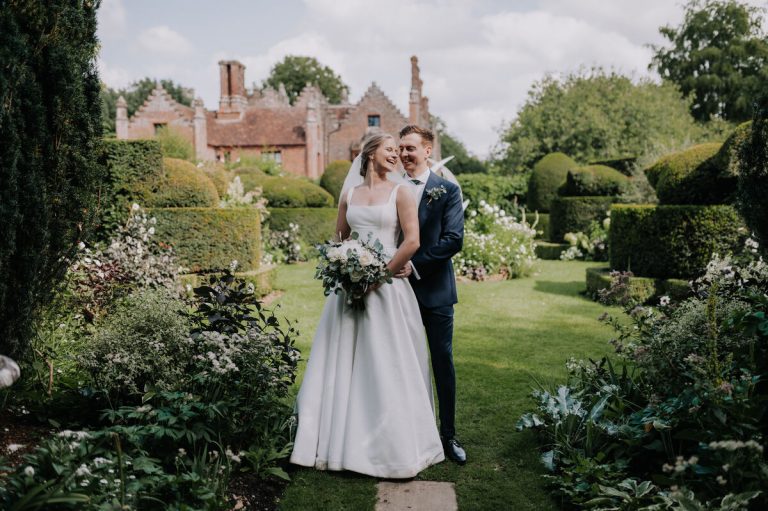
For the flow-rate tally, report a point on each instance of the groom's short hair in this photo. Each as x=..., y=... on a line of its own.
x=426, y=134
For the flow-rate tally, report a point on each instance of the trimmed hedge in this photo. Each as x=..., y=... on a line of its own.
x=671, y=241
x=550, y=251
x=206, y=239
x=286, y=191
x=623, y=165
x=727, y=159
x=573, y=214
x=594, y=180
x=753, y=175
x=134, y=169
x=695, y=176
x=548, y=175
x=542, y=226
x=333, y=177
x=316, y=225
x=219, y=175
x=184, y=186
x=263, y=279
x=251, y=177
x=643, y=289
x=503, y=191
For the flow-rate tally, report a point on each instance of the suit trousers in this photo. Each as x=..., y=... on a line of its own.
x=438, y=323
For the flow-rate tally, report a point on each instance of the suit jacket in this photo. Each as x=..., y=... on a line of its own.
x=441, y=233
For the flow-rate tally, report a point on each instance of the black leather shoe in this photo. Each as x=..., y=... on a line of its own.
x=454, y=451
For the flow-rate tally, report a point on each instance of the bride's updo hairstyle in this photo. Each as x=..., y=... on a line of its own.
x=370, y=144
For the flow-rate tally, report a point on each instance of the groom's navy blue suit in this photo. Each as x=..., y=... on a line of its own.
x=441, y=226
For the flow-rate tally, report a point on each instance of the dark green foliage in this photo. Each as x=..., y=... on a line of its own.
x=718, y=56
x=671, y=241
x=594, y=180
x=316, y=225
x=550, y=251
x=502, y=191
x=49, y=133
x=206, y=239
x=134, y=169
x=290, y=192
x=333, y=177
x=548, y=175
x=542, y=226
x=295, y=72
x=575, y=214
x=135, y=95
x=623, y=165
x=183, y=185
x=463, y=162
x=727, y=160
x=693, y=176
x=753, y=175
x=640, y=289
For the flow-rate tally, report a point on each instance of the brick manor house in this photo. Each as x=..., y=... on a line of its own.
x=303, y=137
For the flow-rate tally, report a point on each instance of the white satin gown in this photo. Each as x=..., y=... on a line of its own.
x=365, y=403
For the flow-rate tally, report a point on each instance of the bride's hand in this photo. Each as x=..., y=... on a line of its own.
x=373, y=288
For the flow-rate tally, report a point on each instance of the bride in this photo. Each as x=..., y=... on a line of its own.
x=365, y=403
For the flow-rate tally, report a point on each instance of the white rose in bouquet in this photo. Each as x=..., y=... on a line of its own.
x=335, y=254
x=366, y=259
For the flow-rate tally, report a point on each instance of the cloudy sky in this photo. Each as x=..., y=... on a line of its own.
x=478, y=57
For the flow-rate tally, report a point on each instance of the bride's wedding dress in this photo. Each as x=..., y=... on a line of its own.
x=365, y=403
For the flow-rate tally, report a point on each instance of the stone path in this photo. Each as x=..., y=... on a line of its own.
x=416, y=496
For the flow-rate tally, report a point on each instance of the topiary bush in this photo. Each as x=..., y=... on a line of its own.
x=251, y=177
x=693, y=176
x=672, y=241
x=574, y=214
x=548, y=175
x=205, y=239
x=333, y=177
x=753, y=175
x=289, y=192
x=502, y=191
x=624, y=165
x=727, y=159
x=220, y=176
x=183, y=185
x=134, y=168
x=639, y=289
x=594, y=180
x=316, y=225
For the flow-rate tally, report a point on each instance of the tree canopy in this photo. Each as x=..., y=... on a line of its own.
x=463, y=162
x=296, y=71
x=594, y=115
x=718, y=56
x=135, y=94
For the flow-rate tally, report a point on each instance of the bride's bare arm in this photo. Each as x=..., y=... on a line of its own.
x=409, y=223
x=342, y=226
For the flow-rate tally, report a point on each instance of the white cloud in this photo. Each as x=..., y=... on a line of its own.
x=163, y=40
x=112, y=19
x=115, y=77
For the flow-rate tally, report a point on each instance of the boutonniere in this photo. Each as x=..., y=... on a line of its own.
x=435, y=193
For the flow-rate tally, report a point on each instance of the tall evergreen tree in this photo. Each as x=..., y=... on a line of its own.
x=50, y=129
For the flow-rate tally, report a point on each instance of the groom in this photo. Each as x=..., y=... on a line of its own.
x=441, y=225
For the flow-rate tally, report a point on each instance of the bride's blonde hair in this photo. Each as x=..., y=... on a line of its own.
x=370, y=144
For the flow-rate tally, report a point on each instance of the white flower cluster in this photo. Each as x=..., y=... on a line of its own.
x=733, y=445
x=353, y=248
x=9, y=371
x=219, y=351
x=681, y=464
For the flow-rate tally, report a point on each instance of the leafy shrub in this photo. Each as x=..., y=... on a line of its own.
x=693, y=176
x=134, y=169
x=727, y=159
x=286, y=246
x=548, y=175
x=183, y=185
x=590, y=245
x=333, y=177
x=174, y=144
x=542, y=226
x=142, y=345
x=753, y=175
x=642, y=290
x=252, y=177
x=574, y=214
x=594, y=180
x=210, y=238
x=503, y=191
x=289, y=192
x=316, y=225
x=671, y=241
x=218, y=174
x=496, y=243
x=623, y=165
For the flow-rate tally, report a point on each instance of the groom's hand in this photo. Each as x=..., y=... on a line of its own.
x=405, y=271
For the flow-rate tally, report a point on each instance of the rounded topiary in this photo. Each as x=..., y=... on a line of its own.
x=220, y=176
x=594, y=180
x=184, y=185
x=753, y=175
x=333, y=177
x=289, y=192
x=548, y=175
x=671, y=241
x=251, y=177
x=574, y=214
x=694, y=176
x=727, y=158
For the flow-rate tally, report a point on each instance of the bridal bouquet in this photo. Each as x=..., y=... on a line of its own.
x=352, y=266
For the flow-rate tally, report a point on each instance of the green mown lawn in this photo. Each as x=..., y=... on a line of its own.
x=507, y=334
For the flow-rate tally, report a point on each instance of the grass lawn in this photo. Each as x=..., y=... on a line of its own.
x=507, y=333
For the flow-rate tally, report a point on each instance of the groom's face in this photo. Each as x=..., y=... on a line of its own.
x=413, y=152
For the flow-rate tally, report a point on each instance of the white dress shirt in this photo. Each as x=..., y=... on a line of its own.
x=418, y=192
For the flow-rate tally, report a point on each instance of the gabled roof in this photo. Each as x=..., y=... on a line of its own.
x=258, y=127
x=160, y=97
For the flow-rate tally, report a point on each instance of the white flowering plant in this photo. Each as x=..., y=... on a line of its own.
x=352, y=267
x=285, y=246
x=496, y=242
x=590, y=245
